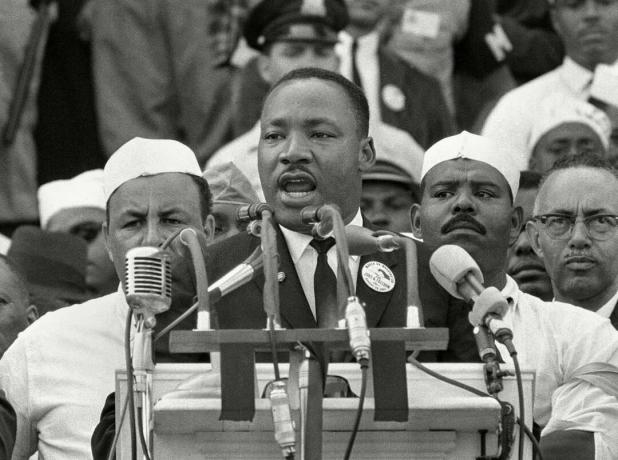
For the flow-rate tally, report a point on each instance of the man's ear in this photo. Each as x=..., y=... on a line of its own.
x=209, y=228
x=534, y=237
x=106, y=235
x=32, y=314
x=367, y=154
x=263, y=66
x=415, y=221
x=517, y=220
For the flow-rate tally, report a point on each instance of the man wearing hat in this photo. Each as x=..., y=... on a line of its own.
x=582, y=260
x=58, y=373
x=467, y=200
x=53, y=265
x=230, y=189
x=289, y=34
x=589, y=32
x=77, y=206
x=391, y=186
x=566, y=127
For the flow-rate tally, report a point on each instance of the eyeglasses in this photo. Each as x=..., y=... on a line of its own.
x=599, y=227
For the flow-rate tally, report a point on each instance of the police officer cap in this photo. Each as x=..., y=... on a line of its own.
x=295, y=20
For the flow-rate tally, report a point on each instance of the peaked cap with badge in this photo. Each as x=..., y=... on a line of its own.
x=295, y=21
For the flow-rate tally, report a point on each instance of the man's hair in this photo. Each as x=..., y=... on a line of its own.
x=355, y=95
x=18, y=277
x=580, y=160
x=529, y=180
x=583, y=159
x=203, y=190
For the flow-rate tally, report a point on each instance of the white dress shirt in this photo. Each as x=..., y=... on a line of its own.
x=512, y=118
x=368, y=67
x=58, y=373
x=606, y=310
x=556, y=339
x=305, y=259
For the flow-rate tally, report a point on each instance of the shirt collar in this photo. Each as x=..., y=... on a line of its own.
x=575, y=76
x=298, y=242
x=606, y=310
x=511, y=291
x=366, y=43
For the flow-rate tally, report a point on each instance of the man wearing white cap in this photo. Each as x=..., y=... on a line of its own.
x=57, y=374
x=77, y=206
x=589, y=32
x=566, y=127
x=467, y=200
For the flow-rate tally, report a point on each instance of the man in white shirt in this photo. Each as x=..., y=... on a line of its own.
x=59, y=371
x=467, y=200
x=589, y=30
x=574, y=231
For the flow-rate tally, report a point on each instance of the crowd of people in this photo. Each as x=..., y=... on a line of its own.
x=488, y=124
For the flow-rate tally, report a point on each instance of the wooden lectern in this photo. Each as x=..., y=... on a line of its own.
x=445, y=422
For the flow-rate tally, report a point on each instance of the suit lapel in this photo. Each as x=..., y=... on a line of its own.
x=375, y=301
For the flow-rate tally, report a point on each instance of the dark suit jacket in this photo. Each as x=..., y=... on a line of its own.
x=242, y=309
x=424, y=114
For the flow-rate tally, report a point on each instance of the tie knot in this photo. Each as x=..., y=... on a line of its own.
x=322, y=246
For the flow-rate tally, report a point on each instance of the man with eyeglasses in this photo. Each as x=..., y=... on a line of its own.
x=574, y=231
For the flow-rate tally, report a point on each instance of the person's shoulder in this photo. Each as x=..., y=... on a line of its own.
x=536, y=88
x=564, y=315
x=237, y=148
x=392, y=60
x=79, y=315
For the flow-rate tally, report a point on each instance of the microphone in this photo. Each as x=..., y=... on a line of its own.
x=459, y=274
x=363, y=241
x=237, y=276
x=322, y=218
x=358, y=333
x=148, y=282
x=249, y=212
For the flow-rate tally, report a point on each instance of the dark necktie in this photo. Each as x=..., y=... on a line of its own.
x=324, y=286
x=356, y=78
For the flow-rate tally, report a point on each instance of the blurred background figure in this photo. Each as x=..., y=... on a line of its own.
x=391, y=186
x=16, y=312
x=589, y=32
x=77, y=206
x=566, y=127
x=462, y=44
x=18, y=183
x=161, y=70
x=398, y=94
x=53, y=265
x=523, y=265
x=230, y=189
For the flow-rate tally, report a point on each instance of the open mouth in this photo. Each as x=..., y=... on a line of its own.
x=297, y=185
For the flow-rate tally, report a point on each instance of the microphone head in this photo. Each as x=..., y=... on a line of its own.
x=148, y=280
x=489, y=301
x=449, y=264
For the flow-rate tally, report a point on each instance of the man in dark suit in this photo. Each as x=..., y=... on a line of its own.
x=313, y=149
x=398, y=94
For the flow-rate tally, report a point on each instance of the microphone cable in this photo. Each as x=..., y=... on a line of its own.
x=112, y=451
x=129, y=365
x=537, y=449
x=520, y=397
x=364, y=364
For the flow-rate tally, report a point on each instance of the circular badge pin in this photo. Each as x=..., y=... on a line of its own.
x=393, y=98
x=378, y=276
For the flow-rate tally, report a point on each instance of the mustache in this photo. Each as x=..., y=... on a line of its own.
x=463, y=218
